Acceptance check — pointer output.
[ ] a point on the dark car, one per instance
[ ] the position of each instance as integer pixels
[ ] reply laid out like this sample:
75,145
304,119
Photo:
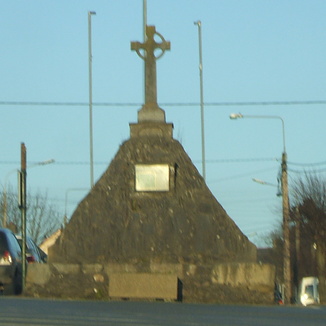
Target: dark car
33,253
10,263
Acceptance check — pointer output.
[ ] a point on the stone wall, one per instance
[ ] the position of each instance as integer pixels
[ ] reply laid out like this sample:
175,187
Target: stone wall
254,276
221,283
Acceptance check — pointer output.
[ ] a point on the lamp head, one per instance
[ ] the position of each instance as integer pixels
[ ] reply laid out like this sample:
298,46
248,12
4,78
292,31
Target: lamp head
47,162
259,181
234,116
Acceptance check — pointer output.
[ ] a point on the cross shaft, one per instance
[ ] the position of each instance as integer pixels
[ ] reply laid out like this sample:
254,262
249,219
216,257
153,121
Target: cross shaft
148,55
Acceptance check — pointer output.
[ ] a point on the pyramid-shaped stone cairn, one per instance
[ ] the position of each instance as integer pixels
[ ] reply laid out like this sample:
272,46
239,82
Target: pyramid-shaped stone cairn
151,204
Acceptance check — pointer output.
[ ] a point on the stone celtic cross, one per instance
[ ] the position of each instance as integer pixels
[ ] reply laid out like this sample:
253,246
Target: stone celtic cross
150,110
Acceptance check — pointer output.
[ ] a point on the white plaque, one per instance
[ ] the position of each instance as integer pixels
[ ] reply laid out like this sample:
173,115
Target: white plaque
152,177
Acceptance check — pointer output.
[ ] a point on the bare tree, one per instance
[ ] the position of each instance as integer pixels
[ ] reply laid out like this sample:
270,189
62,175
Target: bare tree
42,218
307,230
10,209
310,201
310,198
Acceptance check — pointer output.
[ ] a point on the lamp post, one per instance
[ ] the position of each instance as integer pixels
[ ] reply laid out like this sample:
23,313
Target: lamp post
145,37
23,207
90,13
285,204
22,203
198,23
144,18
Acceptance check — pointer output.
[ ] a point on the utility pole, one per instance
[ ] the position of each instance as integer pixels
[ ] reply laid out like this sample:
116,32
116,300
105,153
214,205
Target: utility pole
286,232
202,118
297,252
90,58
22,206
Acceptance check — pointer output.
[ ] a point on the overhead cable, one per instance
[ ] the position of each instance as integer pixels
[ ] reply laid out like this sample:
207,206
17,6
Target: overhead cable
132,104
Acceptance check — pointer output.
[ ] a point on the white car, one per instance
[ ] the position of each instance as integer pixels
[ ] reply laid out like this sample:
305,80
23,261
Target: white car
308,291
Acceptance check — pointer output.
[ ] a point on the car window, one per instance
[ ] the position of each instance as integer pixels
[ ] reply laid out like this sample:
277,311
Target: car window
20,241
14,244
310,291
29,245
3,242
33,248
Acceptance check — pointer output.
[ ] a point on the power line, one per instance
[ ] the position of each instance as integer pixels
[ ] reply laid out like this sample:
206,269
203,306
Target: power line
132,104
264,103
239,160
306,171
57,163
212,161
308,164
240,175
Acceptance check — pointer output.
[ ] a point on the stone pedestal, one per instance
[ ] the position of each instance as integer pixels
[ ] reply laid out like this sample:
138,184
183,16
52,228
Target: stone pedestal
151,129
151,112
143,286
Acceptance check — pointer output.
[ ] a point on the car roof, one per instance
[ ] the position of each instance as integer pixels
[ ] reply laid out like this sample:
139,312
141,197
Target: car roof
6,230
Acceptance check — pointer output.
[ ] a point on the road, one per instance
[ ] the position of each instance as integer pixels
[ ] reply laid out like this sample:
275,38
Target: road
21,311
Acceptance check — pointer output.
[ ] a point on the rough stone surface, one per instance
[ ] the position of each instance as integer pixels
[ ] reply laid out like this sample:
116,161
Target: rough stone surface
196,283
66,281
253,276
115,223
39,274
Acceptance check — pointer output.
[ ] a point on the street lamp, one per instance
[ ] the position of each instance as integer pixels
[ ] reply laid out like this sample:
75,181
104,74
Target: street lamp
285,204
198,23
262,182
90,13
234,116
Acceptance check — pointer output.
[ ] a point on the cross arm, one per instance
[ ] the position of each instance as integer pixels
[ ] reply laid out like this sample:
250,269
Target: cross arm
136,46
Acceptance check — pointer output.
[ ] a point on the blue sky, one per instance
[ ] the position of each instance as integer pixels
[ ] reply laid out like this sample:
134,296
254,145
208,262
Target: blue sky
253,52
